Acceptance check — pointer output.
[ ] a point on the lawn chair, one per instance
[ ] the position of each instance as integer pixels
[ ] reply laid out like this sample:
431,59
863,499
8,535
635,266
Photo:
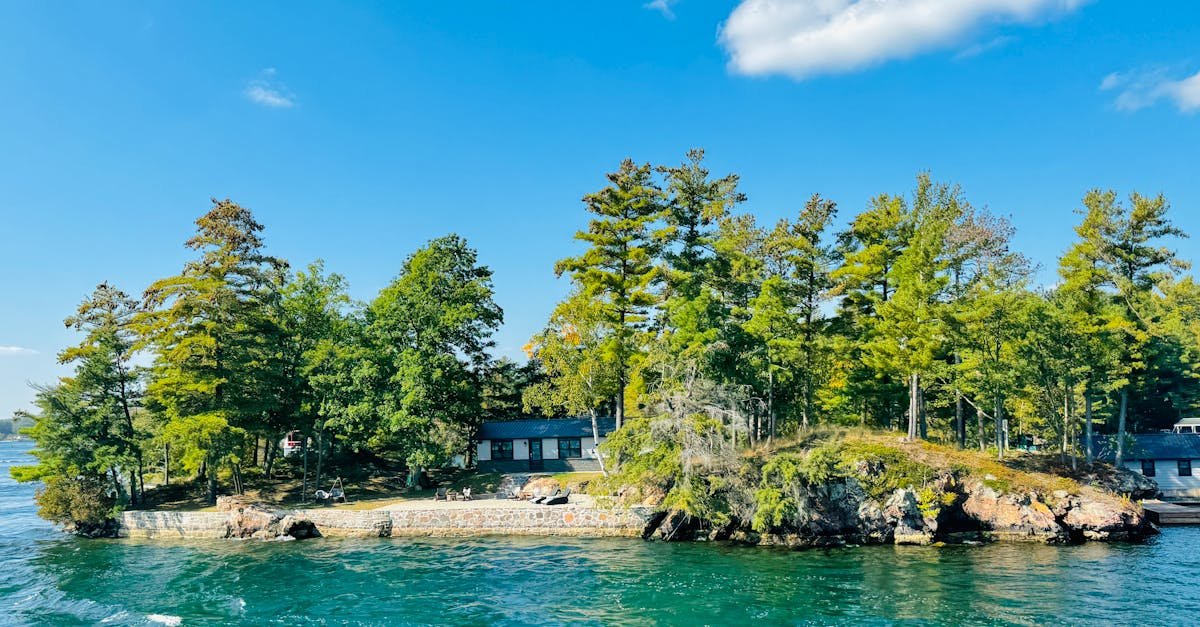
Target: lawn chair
441,495
336,493
558,499
466,494
543,498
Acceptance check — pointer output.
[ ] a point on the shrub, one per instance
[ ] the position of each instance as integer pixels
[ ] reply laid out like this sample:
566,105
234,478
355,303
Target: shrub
83,504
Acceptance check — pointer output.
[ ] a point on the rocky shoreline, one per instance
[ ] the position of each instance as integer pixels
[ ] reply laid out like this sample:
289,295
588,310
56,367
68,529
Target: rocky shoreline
961,510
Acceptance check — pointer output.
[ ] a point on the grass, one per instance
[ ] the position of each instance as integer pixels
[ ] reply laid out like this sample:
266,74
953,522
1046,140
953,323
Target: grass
893,462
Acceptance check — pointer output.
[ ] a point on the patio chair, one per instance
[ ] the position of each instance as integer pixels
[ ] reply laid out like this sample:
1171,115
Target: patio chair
558,499
441,495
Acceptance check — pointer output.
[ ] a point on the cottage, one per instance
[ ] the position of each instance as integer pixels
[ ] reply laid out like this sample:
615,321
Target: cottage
553,445
1187,425
1171,459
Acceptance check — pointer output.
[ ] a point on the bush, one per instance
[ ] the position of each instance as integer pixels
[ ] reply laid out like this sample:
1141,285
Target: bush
84,505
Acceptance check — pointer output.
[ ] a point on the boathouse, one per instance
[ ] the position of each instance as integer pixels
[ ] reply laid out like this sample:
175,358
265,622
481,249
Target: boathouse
549,445
1171,459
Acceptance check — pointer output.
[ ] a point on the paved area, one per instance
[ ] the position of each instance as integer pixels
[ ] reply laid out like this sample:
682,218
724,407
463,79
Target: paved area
487,502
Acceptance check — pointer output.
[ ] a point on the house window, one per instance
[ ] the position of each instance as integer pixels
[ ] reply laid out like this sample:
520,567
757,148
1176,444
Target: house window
1185,468
1148,467
569,447
502,450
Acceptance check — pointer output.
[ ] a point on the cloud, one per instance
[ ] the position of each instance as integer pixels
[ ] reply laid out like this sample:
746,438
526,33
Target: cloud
975,50
269,91
1142,88
16,350
804,38
662,6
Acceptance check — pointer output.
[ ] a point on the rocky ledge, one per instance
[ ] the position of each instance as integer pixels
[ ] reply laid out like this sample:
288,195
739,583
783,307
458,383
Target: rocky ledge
952,507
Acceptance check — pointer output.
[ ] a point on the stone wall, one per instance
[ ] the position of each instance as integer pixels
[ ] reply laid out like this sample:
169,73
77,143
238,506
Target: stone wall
569,520
173,524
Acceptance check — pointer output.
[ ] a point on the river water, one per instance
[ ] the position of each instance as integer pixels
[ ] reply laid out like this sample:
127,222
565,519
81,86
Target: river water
50,578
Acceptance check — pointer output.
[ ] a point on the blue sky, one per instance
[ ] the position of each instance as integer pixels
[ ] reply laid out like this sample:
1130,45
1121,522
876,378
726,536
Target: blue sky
358,131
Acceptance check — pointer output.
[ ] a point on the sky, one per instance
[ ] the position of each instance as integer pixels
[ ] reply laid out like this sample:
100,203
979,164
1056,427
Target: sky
356,132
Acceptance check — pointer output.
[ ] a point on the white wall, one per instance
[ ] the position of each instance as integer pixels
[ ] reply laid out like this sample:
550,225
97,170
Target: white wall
589,447
1166,475
550,448
520,449
483,451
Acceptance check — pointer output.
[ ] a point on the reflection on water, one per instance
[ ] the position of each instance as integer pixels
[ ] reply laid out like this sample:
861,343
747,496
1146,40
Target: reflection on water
49,578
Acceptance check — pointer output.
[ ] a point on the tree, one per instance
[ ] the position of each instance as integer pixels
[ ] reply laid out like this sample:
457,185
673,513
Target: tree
216,367
1138,260
429,331
869,250
571,351
913,324
1085,275
618,269
313,309
86,429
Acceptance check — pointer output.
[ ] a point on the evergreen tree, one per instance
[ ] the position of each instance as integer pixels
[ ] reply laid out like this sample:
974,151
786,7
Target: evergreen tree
216,367
618,268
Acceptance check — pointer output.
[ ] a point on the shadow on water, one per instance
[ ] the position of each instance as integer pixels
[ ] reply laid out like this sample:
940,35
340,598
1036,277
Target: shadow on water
50,578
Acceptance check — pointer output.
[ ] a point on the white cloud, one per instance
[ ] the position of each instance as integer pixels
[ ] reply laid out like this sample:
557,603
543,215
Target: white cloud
662,6
269,91
15,350
803,38
975,50
1142,88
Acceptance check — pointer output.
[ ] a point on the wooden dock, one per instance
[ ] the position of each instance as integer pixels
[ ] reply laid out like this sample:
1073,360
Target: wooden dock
1163,513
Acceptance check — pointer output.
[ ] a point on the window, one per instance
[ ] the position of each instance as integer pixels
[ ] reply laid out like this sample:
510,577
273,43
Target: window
1148,467
1185,468
569,447
502,450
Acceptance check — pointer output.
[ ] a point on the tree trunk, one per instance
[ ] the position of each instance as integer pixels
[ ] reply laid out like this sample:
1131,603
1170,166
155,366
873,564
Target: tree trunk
1087,424
166,463
979,429
922,417
999,419
960,424
304,479
771,400
596,440
211,475
320,456
913,409
1120,461
269,457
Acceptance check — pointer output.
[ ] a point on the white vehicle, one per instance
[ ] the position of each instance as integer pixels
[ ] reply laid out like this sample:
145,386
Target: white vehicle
292,443
1187,425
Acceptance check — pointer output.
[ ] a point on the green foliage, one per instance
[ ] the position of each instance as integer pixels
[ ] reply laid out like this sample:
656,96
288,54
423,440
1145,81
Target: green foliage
78,502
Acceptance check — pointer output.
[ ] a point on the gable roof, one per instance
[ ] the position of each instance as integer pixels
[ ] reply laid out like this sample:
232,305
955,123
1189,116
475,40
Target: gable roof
546,428
1155,446
1188,421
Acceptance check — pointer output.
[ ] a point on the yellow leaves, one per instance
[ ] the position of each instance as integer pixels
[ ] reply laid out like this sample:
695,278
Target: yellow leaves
530,349
570,335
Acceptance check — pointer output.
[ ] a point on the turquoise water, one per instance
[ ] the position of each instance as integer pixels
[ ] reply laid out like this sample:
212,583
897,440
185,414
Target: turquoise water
49,578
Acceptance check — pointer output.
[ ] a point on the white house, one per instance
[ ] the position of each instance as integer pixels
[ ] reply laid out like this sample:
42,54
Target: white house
551,445
1171,459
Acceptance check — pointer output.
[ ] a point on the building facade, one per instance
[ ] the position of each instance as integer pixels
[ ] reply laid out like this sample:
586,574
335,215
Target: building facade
550,445
1171,459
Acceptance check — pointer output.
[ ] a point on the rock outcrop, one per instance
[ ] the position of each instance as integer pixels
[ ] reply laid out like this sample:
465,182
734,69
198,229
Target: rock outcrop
265,524
948,510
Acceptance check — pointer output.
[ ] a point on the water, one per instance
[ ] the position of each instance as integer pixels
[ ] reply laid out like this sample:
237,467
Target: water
49,578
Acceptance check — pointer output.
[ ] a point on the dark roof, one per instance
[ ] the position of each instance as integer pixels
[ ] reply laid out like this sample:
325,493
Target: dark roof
547,428
1154,446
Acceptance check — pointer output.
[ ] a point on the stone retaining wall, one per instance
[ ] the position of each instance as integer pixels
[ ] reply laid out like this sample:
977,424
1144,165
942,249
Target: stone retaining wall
173,524
542,521
570,520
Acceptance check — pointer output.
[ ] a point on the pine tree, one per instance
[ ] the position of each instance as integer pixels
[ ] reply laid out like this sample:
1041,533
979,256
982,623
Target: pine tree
618,270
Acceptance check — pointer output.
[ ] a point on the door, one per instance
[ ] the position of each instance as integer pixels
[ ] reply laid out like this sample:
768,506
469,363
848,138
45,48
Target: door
535,455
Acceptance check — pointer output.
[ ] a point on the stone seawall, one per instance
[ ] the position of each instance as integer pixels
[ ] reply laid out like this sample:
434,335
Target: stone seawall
570,520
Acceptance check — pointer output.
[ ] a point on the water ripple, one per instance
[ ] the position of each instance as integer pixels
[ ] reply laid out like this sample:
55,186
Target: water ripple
48,578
